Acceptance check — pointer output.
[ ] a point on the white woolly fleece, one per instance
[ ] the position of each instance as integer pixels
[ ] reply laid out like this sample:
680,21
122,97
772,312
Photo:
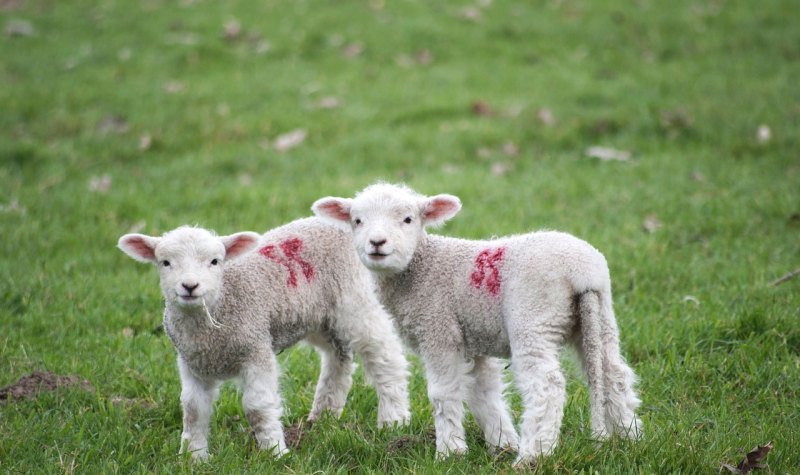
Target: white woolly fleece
228,318
459,303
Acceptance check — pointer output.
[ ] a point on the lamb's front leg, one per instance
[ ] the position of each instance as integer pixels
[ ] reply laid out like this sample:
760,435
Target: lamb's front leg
447,383
488,406
262,403
197,399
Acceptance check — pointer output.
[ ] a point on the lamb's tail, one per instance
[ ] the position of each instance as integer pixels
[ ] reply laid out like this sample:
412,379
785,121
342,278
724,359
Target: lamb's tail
612,396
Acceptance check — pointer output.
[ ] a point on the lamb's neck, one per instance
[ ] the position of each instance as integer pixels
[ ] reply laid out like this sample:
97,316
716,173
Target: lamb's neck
196,316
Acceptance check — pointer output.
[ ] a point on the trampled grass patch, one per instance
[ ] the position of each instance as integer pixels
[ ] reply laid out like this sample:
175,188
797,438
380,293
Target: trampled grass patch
147,115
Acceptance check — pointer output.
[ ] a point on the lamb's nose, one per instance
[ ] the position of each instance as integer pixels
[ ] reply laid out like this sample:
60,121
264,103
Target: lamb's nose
190,287
377,243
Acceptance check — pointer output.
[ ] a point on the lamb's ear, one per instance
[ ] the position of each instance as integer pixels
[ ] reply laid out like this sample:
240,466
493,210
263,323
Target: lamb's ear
239,243
334,209
439,209
139,247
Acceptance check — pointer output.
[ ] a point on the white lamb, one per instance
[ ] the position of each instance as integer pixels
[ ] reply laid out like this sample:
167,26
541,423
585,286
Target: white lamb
459,303
227,319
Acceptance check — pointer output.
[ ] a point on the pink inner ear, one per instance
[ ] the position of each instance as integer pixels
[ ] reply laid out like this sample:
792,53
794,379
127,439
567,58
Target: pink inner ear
140,247
239,245
440,208
335,209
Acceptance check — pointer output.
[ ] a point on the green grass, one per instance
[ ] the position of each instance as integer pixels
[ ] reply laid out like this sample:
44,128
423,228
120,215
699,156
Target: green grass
683,85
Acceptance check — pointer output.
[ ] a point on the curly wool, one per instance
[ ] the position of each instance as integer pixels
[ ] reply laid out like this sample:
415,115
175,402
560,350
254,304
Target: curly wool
228,321
460,303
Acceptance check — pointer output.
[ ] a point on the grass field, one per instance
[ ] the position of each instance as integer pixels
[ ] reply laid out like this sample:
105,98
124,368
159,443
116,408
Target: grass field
119,115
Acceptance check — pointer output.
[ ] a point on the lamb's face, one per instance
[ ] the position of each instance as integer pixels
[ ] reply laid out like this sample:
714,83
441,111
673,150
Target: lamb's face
190,264
388,222
189,261
386,229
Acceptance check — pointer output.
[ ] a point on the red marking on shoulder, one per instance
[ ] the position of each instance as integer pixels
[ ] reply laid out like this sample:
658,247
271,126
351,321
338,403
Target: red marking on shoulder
291,256
486,272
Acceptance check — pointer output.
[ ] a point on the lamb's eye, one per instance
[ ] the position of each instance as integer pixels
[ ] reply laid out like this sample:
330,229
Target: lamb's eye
165,263
357,221
407,220
214,262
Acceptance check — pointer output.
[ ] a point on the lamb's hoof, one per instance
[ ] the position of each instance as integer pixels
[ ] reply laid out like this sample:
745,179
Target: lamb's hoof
279,452
395,420
501,451
197,454
506,444
456,450
525,462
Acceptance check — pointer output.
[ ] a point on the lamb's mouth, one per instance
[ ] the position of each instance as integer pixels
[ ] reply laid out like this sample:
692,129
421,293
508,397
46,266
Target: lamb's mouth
377,256
189,298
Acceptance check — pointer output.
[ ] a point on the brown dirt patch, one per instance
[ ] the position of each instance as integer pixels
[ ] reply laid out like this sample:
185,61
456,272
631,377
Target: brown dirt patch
408,442
30,386
296,433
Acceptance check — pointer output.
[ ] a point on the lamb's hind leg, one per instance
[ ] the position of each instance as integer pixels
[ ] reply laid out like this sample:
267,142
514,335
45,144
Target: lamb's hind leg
538,376
488,406
335,376
369,331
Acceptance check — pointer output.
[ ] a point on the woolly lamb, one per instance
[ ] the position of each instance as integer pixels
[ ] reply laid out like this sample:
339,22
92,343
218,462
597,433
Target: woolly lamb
228,319
459,303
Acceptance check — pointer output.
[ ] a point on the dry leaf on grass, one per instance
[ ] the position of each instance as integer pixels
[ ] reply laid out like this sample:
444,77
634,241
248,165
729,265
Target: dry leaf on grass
329,102
19,28
501,168
290,140
752,460
546,116
112,124
785,278
100,184
692,299
421,57
145,142
13,207
173,87
351,50
471,14
245,179
482,108
763,134
698,177
511,149
424,56
651,224
232,30
608,154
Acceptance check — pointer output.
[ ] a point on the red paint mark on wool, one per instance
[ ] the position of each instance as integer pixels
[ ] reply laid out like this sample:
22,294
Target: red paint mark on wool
486,273
290,259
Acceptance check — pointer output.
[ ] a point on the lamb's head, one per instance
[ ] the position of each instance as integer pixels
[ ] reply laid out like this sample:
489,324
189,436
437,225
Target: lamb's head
189,261
387,222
